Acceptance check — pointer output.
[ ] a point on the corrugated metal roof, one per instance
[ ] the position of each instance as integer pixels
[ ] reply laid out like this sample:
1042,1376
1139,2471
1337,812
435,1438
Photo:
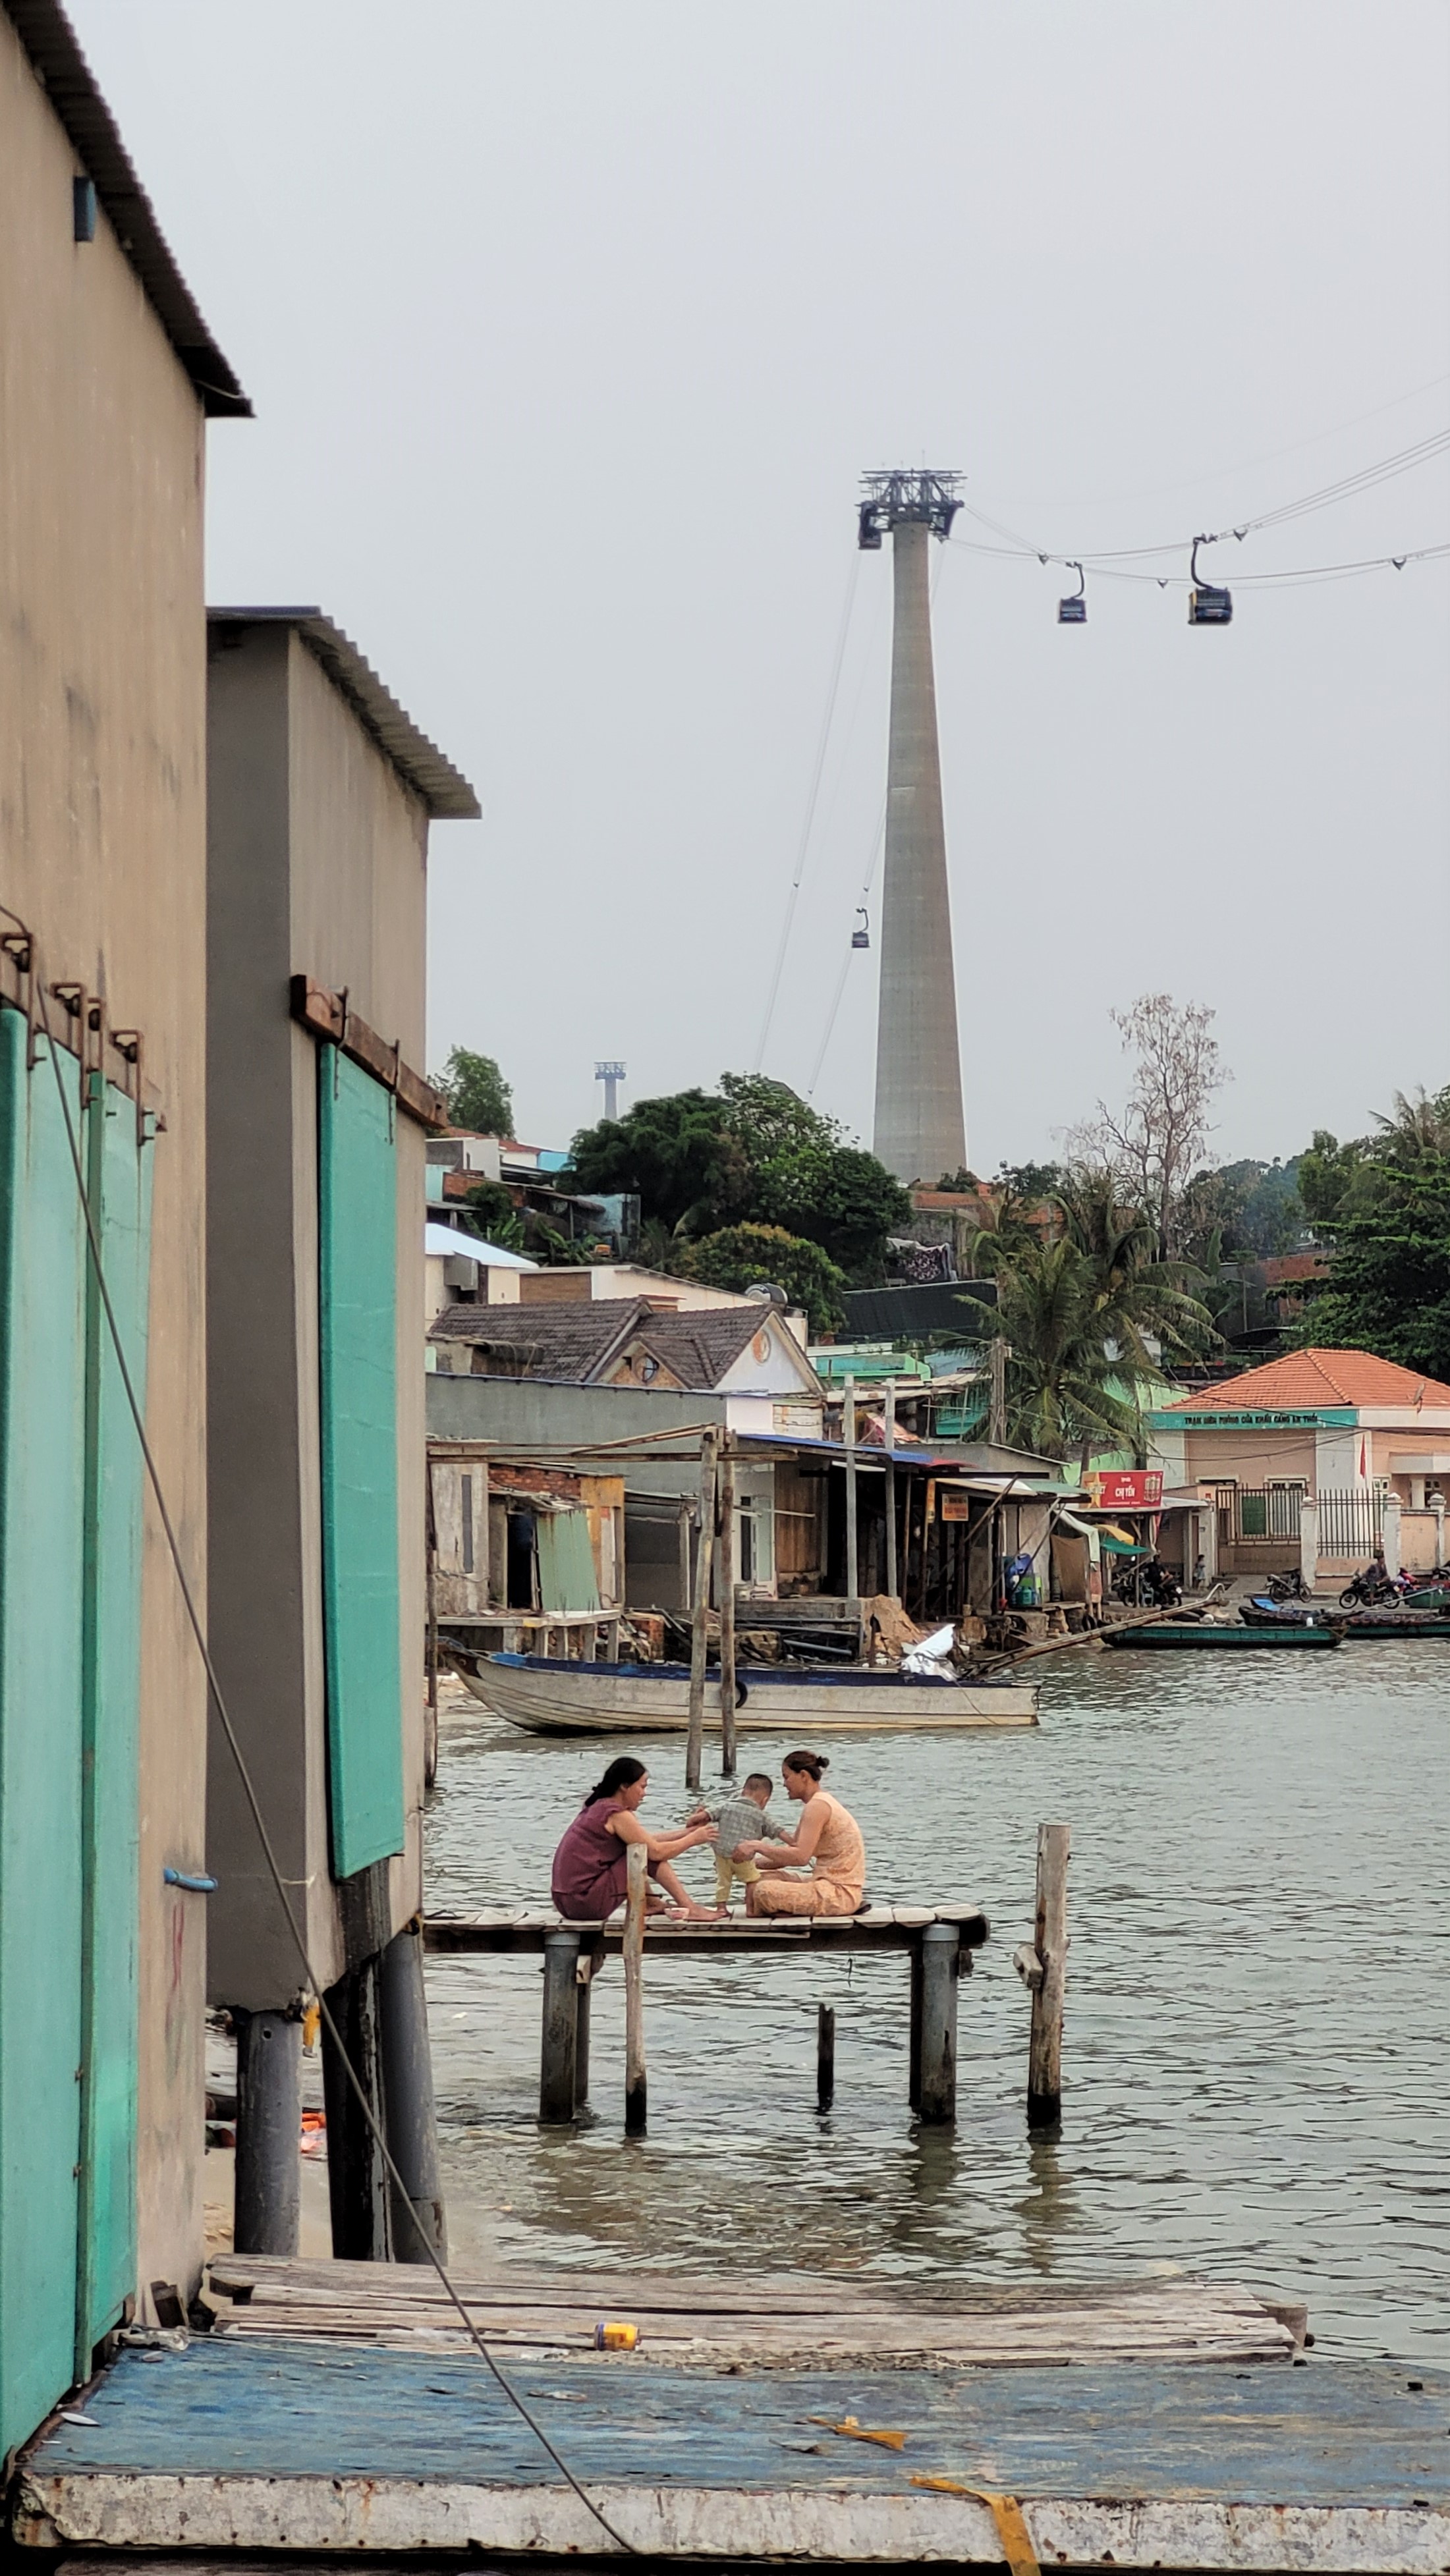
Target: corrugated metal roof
444,790
66,77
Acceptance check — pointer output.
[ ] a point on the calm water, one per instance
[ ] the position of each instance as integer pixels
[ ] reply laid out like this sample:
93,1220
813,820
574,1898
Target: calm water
1258,2021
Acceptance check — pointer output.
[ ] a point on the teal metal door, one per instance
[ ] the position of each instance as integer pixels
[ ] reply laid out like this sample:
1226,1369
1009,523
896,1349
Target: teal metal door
357,1277
42,1498
118,1181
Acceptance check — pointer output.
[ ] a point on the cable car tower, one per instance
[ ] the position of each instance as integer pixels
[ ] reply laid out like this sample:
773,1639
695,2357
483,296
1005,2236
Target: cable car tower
920,1129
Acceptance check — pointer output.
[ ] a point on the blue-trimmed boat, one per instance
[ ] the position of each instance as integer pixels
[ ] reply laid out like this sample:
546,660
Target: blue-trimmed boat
547,1696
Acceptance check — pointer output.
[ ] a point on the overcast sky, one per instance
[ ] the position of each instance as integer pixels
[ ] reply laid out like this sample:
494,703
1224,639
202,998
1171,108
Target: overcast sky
571,325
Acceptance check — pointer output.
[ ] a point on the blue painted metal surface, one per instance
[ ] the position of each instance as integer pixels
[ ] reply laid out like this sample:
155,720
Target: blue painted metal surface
357,1262
1333,2433
118,1181
42,1422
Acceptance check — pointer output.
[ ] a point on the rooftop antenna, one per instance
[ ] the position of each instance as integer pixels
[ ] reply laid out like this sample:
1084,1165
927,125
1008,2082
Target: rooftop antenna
920,1128
611,1074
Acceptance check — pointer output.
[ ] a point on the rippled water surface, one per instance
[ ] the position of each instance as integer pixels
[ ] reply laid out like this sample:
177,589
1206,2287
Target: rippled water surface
1258,2018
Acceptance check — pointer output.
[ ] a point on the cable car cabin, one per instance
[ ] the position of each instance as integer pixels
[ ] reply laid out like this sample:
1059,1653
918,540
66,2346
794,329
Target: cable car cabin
861,935
1210,607
1073,611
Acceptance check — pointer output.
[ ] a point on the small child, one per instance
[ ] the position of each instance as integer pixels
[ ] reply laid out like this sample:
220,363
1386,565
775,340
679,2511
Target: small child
742,1816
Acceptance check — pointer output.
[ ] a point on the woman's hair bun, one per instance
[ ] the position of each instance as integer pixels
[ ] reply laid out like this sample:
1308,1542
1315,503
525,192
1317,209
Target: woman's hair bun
802,1760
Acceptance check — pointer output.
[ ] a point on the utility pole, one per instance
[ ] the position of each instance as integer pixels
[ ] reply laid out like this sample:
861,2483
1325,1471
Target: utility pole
997,1400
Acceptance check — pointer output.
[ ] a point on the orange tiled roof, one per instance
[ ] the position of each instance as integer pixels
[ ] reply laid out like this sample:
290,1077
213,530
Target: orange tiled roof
1307,1381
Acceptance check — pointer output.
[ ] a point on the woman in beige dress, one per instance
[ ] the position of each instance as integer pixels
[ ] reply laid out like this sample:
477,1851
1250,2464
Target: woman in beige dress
827,1837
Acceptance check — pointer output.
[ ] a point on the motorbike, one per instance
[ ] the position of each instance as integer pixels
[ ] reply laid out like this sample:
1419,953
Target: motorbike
1289,1587
1371,1590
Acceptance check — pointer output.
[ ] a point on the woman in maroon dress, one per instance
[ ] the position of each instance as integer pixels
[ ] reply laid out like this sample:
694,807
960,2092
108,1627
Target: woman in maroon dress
591,1865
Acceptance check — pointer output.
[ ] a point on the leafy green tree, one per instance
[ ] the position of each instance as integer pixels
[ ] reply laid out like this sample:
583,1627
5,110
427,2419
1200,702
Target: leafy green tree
1084,1308
753,1153
675,1152
1328,1172
740,1256
806,1175
477,1095
489,1211
1059,1400
1389,1281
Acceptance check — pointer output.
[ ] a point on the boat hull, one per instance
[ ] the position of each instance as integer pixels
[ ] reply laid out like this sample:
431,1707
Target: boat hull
545,1697
1224,1640
1356,1624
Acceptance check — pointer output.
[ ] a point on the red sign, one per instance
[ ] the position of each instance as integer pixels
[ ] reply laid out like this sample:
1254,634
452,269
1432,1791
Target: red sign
1128,1489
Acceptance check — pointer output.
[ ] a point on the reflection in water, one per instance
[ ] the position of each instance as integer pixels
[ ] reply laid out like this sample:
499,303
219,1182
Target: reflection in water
1257,1993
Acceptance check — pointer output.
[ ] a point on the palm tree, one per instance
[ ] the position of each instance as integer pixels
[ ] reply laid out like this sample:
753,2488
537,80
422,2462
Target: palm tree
1059,1364
1078,1315
1140,1296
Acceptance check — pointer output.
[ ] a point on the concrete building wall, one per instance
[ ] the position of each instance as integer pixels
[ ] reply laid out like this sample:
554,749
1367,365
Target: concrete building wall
102,756
318,855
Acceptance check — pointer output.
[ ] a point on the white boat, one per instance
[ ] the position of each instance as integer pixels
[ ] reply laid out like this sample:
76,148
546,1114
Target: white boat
547,1696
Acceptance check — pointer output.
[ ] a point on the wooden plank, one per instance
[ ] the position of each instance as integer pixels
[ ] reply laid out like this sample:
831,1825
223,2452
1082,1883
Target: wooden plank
326,1014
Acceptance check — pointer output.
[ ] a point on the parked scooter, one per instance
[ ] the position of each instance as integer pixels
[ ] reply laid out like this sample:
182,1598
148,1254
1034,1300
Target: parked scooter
1289,1587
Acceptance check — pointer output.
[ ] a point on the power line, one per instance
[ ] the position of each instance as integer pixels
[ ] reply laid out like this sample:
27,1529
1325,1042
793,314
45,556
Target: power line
1366,478
805,839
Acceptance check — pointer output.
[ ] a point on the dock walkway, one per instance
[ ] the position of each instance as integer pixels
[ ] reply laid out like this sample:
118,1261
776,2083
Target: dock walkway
241,2445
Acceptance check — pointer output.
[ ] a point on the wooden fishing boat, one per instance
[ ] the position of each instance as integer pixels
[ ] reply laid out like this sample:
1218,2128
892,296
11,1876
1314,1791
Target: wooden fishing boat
546,1696
1210,1635
1354,1624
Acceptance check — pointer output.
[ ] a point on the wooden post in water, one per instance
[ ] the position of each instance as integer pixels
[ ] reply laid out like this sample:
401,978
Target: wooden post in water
694,1738
558,2057
940,1961
687,1586
825,2056
1049,1941
725,1585
889,1480
635,2090
848,1434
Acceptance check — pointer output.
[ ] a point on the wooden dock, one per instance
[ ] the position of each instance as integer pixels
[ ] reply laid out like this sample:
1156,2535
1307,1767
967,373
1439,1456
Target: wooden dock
939,1941
246,2445
754,2321
878,1927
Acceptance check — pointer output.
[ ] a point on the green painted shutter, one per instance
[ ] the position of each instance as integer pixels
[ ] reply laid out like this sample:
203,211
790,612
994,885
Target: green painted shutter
118,1175
567,1579
357,1270
42,1413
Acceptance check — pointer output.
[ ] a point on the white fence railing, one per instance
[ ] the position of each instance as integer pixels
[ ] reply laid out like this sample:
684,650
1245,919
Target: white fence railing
1351,1519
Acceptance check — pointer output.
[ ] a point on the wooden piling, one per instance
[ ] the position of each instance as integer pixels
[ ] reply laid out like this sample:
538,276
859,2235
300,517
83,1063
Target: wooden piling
889,1480
695,1733
940,1959
725,1584
1049,1941
558,2057
825,2056
635,2088
848,1434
